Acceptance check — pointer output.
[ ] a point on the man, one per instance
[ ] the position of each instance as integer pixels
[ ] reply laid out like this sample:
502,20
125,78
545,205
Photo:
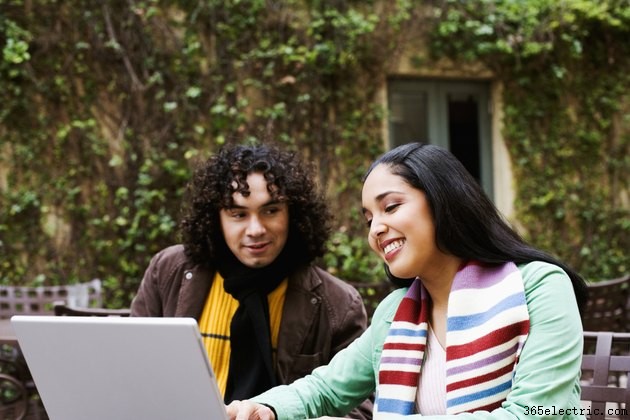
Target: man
253,225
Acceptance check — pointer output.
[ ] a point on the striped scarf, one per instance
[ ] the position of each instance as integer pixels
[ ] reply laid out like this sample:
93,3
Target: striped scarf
487,325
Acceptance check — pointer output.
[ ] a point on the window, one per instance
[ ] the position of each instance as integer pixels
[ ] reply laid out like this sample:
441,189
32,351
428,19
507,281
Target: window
452,114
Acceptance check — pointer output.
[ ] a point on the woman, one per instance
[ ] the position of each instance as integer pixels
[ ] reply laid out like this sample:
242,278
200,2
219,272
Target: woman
490,326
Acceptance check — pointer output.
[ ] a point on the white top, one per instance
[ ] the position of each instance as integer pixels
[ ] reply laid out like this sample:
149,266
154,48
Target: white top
431,398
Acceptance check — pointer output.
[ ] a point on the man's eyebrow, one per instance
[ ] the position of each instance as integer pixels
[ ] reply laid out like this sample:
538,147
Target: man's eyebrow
272,202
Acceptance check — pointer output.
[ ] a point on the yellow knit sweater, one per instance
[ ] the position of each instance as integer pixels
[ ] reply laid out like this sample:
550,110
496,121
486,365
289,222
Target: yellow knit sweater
215,325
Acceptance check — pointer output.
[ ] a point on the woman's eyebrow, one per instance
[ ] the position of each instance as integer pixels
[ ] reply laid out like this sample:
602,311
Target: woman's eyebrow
382,195
380,198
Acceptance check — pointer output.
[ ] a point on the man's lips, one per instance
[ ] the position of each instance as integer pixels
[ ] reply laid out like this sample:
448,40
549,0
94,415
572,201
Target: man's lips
257,247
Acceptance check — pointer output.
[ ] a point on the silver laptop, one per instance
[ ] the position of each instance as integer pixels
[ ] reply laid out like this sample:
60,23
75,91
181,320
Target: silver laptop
118,368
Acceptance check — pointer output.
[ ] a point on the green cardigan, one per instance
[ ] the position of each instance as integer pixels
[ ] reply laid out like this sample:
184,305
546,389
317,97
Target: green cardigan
546,382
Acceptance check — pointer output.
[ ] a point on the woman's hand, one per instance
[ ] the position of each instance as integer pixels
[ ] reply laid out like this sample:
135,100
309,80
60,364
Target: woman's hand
247,410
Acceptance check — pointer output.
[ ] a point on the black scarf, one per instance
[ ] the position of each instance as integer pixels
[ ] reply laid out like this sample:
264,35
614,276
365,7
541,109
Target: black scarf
251,363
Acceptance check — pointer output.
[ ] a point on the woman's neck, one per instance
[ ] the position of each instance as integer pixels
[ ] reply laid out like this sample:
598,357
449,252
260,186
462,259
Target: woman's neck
438,283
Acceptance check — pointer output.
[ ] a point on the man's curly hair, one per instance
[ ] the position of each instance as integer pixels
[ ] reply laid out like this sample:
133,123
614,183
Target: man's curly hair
288,178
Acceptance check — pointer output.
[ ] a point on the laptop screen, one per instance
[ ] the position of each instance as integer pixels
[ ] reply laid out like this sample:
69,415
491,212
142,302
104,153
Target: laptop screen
119,368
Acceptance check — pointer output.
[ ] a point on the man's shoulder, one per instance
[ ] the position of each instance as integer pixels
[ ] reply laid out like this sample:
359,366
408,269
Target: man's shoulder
316,278
326,275
173,252
173,257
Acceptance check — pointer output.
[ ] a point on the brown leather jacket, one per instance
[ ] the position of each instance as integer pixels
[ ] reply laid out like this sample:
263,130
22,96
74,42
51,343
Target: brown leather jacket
321,315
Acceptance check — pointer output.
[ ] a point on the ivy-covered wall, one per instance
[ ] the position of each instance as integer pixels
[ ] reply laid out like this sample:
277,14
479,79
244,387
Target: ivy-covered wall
565,68
105,106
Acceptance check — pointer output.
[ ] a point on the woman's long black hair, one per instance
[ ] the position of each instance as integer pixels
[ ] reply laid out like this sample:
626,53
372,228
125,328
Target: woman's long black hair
467,223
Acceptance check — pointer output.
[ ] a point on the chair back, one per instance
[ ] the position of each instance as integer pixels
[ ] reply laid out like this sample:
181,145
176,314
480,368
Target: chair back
607,308
61,309
606,355
40,300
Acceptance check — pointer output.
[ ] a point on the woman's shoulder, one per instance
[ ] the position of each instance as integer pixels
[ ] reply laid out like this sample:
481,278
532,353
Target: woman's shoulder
387,308
536,271
543,280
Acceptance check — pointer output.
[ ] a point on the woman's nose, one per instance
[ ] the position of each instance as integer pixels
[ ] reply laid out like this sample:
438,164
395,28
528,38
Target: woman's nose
377,228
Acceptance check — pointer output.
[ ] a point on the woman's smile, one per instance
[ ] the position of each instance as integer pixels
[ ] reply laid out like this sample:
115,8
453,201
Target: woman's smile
392,247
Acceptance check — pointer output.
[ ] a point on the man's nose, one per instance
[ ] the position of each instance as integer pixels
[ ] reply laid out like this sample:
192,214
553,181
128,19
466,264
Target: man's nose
255,227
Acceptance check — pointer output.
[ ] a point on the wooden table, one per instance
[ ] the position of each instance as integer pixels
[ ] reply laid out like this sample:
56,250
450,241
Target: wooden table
7,335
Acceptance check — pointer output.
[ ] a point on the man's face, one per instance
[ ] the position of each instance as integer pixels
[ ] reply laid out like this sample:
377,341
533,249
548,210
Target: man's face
256,228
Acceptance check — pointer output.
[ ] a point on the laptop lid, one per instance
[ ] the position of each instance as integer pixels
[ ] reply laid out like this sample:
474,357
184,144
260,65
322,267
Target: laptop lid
119,367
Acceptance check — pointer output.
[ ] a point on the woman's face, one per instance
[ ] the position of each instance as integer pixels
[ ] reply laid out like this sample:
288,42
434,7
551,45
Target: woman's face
400,222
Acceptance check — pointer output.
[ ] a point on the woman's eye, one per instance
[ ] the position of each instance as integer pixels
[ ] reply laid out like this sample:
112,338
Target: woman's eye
368,223
391,207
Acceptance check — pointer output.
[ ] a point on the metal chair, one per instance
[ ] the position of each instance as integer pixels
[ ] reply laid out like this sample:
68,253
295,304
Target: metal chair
607,308
13,398
606,356
14,395
18,395
40,300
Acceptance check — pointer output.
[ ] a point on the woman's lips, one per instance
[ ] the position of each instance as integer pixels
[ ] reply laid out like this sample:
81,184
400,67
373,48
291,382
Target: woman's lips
392,247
